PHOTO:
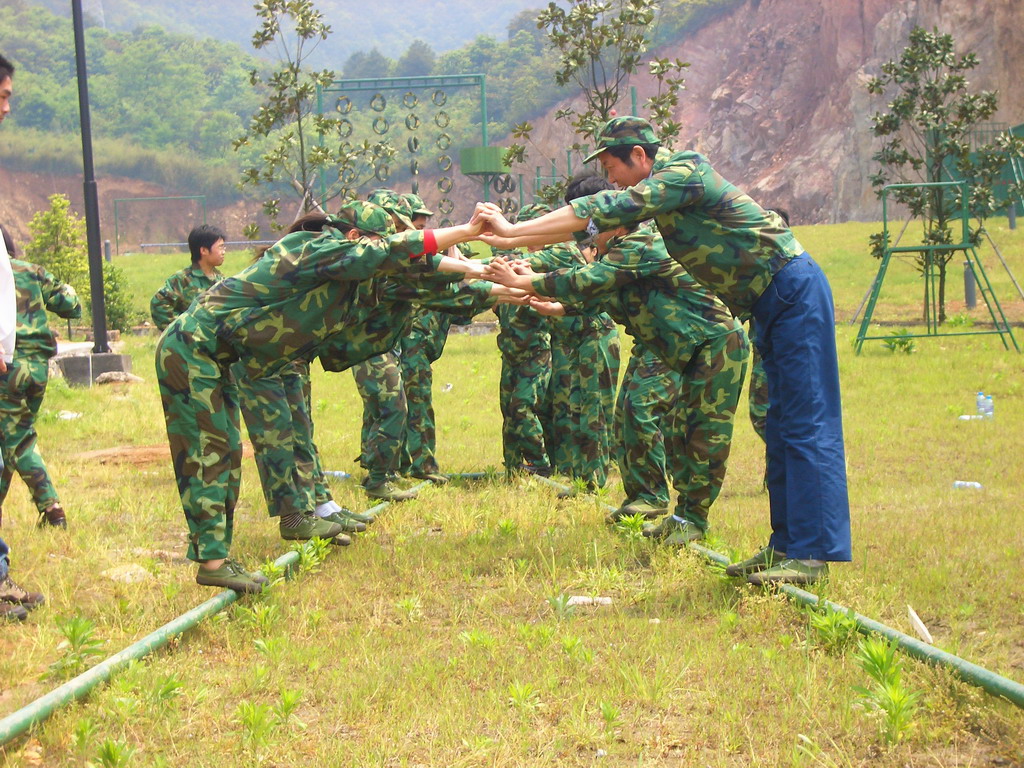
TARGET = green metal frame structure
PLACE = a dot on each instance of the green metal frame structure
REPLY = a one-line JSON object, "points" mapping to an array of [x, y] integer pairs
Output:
{"points": [[1000, 324], [117, 222], [441, 84]]}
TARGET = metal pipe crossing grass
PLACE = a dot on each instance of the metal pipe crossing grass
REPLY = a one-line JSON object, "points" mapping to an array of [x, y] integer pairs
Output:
{"points": [[19, 722]]}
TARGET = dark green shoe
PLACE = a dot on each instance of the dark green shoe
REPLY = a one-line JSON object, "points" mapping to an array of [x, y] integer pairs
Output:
{"points": [[310, 527], [674, 532], [649, 511], [359, 517], [348, 524], [387, 491], [231, 575], [435, 477], [791, 572], [763, 560]]}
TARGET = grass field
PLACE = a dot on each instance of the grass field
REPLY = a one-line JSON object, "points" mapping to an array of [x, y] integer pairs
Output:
{"points": [[442, 637]]}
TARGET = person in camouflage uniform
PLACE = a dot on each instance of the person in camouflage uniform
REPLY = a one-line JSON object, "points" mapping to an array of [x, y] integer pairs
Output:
{"points": [[280, 308], [524, 341], [15, 602], [207, 248], [584, 367], [752, 261], [421, 347], [23, 384], [688, 330], [379, 381]]}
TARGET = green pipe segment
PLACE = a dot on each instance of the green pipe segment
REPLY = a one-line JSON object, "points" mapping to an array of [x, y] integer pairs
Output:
{"points": [[37, 711], [995, 684]]}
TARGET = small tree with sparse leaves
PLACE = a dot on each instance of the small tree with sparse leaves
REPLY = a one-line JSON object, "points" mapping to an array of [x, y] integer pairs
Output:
{"points": [[926, 137], [299, 146], [601, 43]]}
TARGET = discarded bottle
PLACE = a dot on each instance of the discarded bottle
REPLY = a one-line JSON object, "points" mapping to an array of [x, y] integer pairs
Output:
{"points": [[970, 416], [980, 403], [966, 484], [337, 474], [990, 411]]}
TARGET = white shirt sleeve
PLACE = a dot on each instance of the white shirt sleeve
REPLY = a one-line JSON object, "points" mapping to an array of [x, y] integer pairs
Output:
{"points": [[8, 305]]}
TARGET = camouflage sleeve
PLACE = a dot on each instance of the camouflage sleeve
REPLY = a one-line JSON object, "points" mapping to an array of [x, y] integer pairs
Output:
{"points": [[626, 261], [163, 307], [59, 298], [343, 259], [464, 298], [677, 185]]}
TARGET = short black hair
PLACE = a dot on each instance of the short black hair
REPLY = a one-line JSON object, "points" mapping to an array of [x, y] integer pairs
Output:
{"points": [[584, 185], [203, 236], [623, 151], [6, 68]]}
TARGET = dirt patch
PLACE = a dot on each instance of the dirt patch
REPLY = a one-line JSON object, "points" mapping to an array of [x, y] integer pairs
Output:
{"points": [[138, 455]]}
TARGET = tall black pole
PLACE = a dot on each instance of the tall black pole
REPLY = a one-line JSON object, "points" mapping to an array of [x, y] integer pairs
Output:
{"points": [[92, 206]]}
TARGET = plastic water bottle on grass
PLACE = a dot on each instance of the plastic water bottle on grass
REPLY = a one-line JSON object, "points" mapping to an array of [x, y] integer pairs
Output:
{"points": [[990, 411], [966, 484], [980, 404]]}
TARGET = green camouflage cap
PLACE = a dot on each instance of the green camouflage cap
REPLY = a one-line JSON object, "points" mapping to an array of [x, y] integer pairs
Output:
{"points": [[532, 211], [416, 205], [393, 203], [367, 217], [623, 132]]}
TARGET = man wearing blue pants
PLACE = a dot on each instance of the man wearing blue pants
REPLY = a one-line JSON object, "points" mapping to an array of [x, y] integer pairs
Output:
{"points": [[752, 261]]}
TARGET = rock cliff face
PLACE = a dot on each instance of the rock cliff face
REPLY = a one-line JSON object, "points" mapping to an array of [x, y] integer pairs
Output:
{"points": [[775, 92]]}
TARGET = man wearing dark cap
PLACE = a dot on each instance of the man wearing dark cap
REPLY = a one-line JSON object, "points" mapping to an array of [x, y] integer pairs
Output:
{"points": [[752, 261]]}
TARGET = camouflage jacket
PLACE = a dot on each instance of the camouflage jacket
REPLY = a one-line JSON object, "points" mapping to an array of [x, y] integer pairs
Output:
{"points": [[303, 289], [643, 288], [178, 293], [522, 333], [559, 257], [37, 291], [428, 331], [381, 309], [725, 240]]}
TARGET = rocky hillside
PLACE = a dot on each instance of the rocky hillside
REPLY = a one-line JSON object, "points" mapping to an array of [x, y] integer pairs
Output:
{"points": [[775, 93]]}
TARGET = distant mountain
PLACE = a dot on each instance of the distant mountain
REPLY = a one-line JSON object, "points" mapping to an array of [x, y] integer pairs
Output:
{"points": [[388, 25]]}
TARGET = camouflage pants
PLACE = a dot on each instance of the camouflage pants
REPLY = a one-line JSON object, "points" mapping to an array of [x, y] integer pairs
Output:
{"points": [[379, 381], [203, 432], [21, 394], [700, 436], [645, 411], [582, 399], [304, 429], [277, 419], [758, 392], [524, 386], [420, 434]]}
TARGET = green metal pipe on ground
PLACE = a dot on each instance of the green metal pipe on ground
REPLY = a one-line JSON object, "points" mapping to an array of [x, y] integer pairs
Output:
{"points": [[989, 681], [36, 712]]}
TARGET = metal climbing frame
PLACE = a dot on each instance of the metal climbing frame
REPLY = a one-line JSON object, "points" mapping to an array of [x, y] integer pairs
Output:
{"points": [[931, 274], [337, 97]]}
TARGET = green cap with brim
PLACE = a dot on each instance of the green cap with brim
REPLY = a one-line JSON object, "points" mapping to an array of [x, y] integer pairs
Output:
{"points": [[416, 205], [532, 211], [367, 217], [623, 132], [393, 203]]}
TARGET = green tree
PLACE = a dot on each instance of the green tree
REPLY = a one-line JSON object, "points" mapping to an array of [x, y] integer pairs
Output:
{"points": [[372, 64], [600, 44], [417, 61], [301, 146], [58, 243], [926, 135]]}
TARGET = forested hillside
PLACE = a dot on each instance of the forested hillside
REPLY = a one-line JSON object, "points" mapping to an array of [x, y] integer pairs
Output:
{"points": [[390, 25]]}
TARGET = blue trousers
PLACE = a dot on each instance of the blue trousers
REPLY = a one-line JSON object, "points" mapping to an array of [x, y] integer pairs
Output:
{"points": [[810, 507]]}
